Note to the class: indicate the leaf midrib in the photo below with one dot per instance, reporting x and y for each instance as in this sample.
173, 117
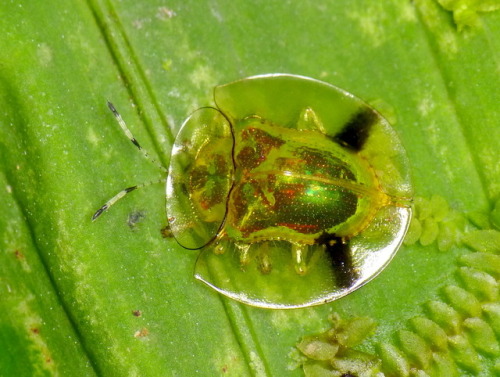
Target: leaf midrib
119, 46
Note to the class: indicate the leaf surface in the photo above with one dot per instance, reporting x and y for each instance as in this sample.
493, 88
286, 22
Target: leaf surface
113, 297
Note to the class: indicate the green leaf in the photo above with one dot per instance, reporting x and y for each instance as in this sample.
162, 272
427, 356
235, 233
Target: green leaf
114, 297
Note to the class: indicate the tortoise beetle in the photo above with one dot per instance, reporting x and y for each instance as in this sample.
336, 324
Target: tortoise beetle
296, 192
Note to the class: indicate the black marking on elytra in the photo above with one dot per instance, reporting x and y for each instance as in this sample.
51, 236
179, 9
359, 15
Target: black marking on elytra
356, 131
128, 189
348, 375
340, 255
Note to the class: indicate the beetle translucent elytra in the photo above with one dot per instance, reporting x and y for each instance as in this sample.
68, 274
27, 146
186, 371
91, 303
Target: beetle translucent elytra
295, 191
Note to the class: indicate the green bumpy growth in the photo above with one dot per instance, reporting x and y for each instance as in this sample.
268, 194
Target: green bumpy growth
332, 353
435, 221
465, 12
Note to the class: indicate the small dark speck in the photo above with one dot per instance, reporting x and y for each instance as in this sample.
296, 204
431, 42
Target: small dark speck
136, 313
134, 218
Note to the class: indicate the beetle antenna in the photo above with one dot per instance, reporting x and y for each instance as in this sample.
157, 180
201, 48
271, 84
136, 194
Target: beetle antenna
144, 152
131, 137
121, 194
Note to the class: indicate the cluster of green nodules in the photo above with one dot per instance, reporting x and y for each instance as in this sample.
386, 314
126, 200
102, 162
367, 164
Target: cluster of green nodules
434, 221
465, 12
332, 353
451, 336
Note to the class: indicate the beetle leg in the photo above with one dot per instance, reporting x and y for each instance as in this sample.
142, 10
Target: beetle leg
244, 253
309, 121
219, 248
264, 260
299, 255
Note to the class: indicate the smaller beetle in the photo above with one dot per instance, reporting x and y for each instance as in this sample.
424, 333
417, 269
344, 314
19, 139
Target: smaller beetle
296, 192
